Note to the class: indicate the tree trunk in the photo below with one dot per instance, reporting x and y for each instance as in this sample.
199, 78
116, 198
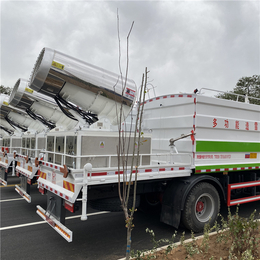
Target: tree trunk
128, 242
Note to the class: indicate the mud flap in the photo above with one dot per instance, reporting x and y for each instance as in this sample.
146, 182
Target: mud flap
54, 215
23, 193
55, 224
171, 204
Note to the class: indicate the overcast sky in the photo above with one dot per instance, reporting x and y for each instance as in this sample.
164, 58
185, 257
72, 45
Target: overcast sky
184, 44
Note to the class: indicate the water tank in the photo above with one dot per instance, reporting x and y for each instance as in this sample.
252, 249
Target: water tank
83, 85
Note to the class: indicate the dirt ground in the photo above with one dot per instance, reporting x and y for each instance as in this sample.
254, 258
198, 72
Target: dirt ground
216, 250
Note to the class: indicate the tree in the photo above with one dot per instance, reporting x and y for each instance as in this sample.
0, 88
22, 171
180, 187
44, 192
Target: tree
5, 90
127, 183
249, 86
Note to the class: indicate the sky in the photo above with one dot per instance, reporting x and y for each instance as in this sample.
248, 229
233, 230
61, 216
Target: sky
184, 44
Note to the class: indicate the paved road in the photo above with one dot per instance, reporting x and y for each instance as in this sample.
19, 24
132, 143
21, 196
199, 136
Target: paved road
101, 237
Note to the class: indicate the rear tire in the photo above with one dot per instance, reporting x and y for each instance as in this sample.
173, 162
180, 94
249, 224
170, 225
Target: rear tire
202, 206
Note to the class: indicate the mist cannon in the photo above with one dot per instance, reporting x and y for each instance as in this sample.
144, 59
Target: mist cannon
38, 106
17, 118
88, 90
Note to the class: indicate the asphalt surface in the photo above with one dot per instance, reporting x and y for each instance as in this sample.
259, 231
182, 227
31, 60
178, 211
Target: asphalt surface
102, 236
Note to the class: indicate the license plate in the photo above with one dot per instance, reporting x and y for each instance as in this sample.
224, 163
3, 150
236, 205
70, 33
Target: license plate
20, 193
50, 221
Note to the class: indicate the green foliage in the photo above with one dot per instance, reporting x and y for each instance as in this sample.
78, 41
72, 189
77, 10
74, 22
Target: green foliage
5, 90
139, 255
240, 231
245, 86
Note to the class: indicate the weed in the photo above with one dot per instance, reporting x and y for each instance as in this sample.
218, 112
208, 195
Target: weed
237, 233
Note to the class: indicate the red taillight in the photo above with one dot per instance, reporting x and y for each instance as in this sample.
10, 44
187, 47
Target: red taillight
41, 189
69, 206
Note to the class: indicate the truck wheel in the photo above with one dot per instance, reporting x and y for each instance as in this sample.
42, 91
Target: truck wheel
202, 205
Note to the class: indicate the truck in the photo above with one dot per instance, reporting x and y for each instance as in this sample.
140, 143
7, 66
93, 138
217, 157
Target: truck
45, 111
198, 151
14, 122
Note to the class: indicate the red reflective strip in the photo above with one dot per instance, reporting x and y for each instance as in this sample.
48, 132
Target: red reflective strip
208, 170
250, 168
180, 95
56, 167
164, 96
189, 96
217, 170
150, 100
198, 171
51, 189
148, 170
99, 173
61, 194
65, 185
72, 186
66, 197
226, 169
182, 168
234, 169
157, 98
56, 192
242, 168
172, 96
162, 169
121, 172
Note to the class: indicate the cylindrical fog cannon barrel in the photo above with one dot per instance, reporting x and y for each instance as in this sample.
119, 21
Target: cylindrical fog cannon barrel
23, 97
17, 117
76, 83
38, 106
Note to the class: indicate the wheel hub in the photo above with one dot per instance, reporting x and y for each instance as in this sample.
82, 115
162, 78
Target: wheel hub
199, 206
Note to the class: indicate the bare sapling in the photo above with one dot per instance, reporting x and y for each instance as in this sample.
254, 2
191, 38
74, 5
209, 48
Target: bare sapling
127, 177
